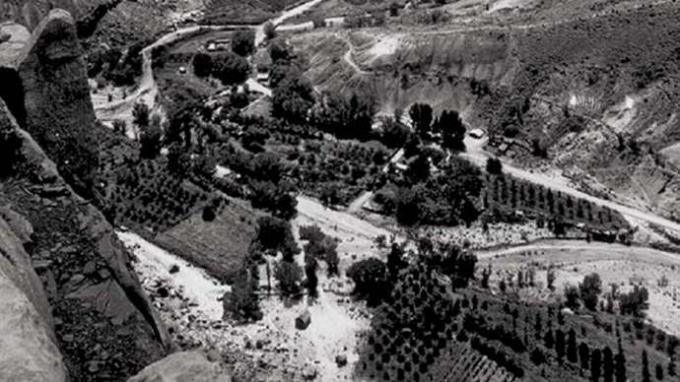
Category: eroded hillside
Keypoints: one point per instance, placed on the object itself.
(589, 86)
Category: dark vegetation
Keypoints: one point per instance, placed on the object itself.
(220, 12)
(142, 192)
(118, 66)
(415, 320)
(230, 68)
(542, 340)
(447, 196)
(504, 195)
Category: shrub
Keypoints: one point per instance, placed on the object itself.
(289, 275)
(243, 42)
(370, 280)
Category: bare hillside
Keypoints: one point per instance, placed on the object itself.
(589, 86)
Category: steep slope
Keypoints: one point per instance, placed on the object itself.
(25, 322)
(105, 325)
(593, 86)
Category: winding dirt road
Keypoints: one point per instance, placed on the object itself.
(147, 90)
(478, 156)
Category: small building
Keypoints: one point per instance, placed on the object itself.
(302, 321)
(218, 44)
(263, 77)
(477, 133)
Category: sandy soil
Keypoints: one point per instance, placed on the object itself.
(357, 236)
(153, 265)
(193, 310)
(616, 264)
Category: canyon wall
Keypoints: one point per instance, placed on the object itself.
(104, 325)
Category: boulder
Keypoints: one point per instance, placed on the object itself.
(341, 360)
(25, 320)
(184, 367)
(302, 321)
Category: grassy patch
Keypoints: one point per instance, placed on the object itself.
(218, 246)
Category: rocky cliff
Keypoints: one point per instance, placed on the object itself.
(26, 326)
(105, 327)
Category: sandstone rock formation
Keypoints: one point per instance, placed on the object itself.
(25, 322)
(58, 110)
(104, 323)
(184, 366)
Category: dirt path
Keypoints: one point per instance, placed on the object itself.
(147, 90)
(348, 56)
(579, 245)
(478, 156)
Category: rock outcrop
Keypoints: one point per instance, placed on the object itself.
(25, 320)
(58, 110)
(184, 366)
(105, 326)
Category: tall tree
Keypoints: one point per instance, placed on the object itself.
(549, 339)
(202, 63)
(150, 139)
(608, 364)
(312, 282)
(646, 377)
(620, 364)
(595, 365)
(572, 351)
(452, 130)
(590, 289)
(421, 117)
(141, 115)
(243, 42)
(559, 344)
(659, 372)
(289, 275)
(584, 355)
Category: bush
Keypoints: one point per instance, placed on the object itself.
(230, 68)
(634, 302)
(203, 65)
(242, 302)
(289, 275)
(590, 290)
(274, 234)
(370, 280)
(494, 166)
(292, 98)
(243, 42)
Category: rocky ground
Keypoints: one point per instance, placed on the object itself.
(190, 303)
(616, 264)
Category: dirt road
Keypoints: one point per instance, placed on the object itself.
(147, 90)
(478, 156)
(579, 245)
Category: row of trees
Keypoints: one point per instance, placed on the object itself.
(448, 127)
(228, 67)
(634, 302)
(293, 95)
